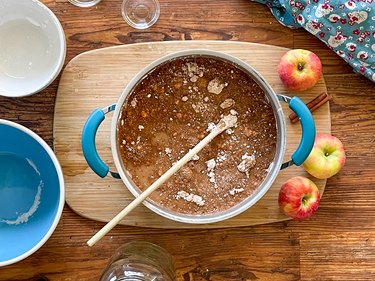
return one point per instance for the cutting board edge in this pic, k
(178, 225)
(192, 42)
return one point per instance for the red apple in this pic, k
(326, 158)
(299, 198)
(299, 69)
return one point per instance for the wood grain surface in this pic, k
(337, 243)
(97, 78)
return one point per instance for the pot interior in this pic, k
(171, 107)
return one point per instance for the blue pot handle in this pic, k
(308, 130)
(88, 142)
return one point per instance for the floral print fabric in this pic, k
(346, 26)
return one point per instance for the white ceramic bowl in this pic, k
(32, 47)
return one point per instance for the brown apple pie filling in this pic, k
(175, 106)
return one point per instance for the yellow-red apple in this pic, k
(326, 158)
(299, 69)
(299, 198)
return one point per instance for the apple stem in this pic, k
(300, 66)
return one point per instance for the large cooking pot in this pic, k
(298, 157)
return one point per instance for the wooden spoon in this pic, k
(225, 123)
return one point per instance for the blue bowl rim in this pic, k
(59, 172)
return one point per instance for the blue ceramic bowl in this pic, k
(32, 192)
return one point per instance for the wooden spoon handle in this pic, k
(222, 126)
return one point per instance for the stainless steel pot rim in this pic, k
(273, 169)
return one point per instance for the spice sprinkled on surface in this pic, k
(246, 164)
(190, 197)
(215, 86)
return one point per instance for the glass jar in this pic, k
(84, 3)
(140, 14)
(140, 261)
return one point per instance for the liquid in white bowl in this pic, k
(25, 50)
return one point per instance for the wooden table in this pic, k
(337, 243)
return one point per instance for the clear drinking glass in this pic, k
(140, 14)
(84, 3)
(140, 261)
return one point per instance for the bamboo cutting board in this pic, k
(96, 79)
